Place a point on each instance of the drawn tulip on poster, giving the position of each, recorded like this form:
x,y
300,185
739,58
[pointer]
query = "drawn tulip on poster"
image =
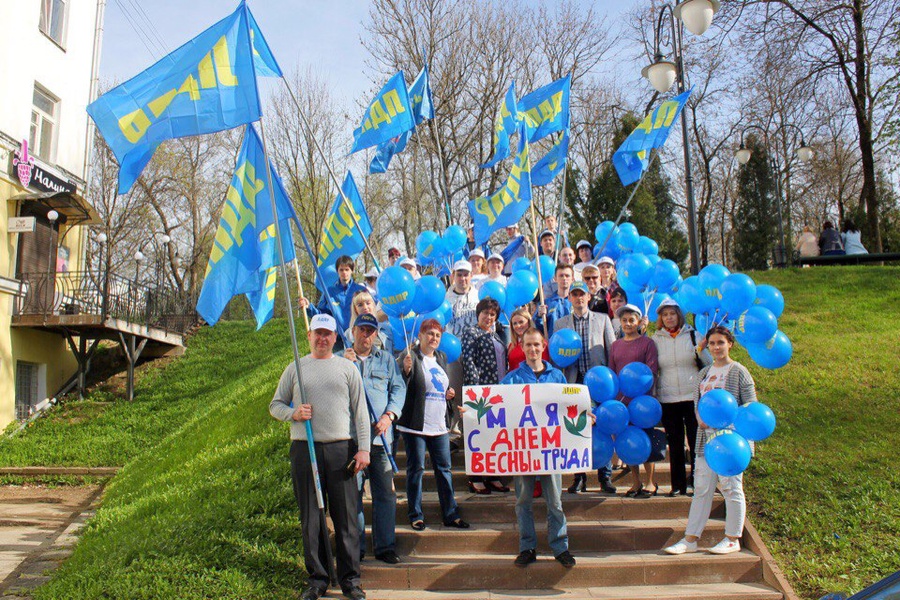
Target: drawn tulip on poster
x,y
483,404
575,421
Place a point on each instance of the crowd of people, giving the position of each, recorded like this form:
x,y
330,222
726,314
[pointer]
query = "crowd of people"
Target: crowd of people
x,y
414,393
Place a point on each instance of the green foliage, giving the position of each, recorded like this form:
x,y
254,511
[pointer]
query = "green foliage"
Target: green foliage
x,y
652,210
755,221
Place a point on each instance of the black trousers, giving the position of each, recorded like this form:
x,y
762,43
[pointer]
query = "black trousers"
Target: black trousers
x,y
341,498
678,418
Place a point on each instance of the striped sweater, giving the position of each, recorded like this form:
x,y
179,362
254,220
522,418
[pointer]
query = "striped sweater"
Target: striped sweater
x,y
739,383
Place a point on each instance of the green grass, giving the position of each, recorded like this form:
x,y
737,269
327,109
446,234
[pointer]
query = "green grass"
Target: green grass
x,y
203,505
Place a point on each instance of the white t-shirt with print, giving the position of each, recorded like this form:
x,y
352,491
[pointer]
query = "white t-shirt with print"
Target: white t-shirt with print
x,y
436,385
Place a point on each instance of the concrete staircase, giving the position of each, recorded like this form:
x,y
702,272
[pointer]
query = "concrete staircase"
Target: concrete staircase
x,y
617,542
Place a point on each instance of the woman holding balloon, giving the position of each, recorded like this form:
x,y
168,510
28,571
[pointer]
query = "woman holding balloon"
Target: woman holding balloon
x,y
729,376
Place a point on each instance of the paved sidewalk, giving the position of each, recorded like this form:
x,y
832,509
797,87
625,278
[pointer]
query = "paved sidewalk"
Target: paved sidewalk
x,y
38,528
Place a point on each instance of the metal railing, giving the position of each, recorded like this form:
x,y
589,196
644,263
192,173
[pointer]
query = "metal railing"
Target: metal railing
x,y
105,295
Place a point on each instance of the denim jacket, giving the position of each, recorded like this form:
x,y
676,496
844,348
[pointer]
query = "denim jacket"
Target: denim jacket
x,y
384,385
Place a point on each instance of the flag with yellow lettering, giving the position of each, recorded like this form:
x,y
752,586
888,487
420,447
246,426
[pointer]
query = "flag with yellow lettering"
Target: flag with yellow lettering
x,y
507,205
633,156
388,115
546,109
505,124
551,164
206,85
340,235
422,108
244,255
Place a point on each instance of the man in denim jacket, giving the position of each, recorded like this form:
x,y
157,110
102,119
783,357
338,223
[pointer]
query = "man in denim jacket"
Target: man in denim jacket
x,y
386,393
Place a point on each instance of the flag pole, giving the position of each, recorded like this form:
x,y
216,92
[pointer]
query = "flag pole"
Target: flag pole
x,y
537,262
627,202
334,178
313,462
559,218
300,291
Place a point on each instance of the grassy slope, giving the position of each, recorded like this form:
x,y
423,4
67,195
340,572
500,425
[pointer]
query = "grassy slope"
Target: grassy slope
x,y
205,508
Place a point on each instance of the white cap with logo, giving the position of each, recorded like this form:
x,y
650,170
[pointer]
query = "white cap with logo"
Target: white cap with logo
x,y
322,321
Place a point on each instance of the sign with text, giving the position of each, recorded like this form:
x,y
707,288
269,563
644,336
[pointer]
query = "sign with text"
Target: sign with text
x,y
20,225
531,429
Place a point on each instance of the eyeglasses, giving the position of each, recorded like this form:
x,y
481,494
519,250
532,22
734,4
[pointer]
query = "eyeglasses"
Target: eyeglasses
x,y
594,278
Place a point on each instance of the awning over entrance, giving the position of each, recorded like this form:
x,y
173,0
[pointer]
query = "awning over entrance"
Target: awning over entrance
x,y
72,205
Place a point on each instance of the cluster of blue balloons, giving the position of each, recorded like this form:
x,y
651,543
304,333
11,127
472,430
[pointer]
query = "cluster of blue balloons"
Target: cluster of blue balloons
x,y
439,250
619,428
727,451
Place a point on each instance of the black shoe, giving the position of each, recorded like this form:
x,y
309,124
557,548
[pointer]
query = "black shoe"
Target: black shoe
x,y
579,485
312,593
458,524
675,492
390,557
607,487
526,557
355,593
566,559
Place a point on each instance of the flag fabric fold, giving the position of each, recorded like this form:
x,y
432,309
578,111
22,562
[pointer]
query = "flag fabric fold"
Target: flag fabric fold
x,y
388,115
551,164
505,124
422,106
546,110
340,235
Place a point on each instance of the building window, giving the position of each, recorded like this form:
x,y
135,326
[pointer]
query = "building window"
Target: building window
x,y
53,20
43,124
27,384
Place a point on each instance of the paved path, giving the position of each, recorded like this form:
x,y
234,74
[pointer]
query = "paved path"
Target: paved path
x,y
38,527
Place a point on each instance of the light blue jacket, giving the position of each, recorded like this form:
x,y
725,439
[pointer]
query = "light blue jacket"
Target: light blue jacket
x,y
525,374
384,386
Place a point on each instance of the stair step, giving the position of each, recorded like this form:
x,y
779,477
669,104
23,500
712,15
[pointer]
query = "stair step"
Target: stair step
x,y
689,591
475,571
503,538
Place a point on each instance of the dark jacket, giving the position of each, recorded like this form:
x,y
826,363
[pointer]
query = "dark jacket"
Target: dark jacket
x,y
479,358
413,416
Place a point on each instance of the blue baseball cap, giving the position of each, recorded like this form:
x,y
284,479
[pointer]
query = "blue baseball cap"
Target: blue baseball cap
x,y
366,321
579,286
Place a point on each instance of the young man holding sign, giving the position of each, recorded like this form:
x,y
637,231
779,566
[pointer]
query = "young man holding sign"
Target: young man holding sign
x,y
536,370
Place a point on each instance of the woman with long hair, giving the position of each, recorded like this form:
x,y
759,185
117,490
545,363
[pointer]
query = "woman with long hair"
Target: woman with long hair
x,y
364,304
519,322
852,239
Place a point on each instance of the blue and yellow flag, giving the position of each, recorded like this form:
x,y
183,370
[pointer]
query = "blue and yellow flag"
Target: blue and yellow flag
x,y
206,85
633,156
546,110
340,235
551,164
388,115
244,253
422,108
505,124
507,205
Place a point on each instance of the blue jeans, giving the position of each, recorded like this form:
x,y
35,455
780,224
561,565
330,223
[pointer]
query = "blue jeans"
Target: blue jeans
x,y
438,447
384,503
557,533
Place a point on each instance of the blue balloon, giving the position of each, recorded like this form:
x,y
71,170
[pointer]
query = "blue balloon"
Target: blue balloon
x,y
646,245
653,309
635,379
436,314
636,269
602,383
565,347
717,408
755,421
547,267
603,447
702,323
440,248
495,290
425,245
654,260
773,353
711,278
691,297
396,290
404,330
612,417
727,454
644,412
612,251
603,230
450,346
738,293
633,445
447,309
521,263
430,292
665,274
769,297
454,238
756,326
627,237
521,287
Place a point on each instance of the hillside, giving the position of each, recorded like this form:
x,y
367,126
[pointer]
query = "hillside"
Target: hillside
x,y
203,506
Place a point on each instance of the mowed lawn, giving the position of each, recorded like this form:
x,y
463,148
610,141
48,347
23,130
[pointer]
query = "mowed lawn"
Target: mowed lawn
x,y
203,507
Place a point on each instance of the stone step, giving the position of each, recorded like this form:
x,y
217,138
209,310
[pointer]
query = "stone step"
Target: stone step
x,y
503,538
689,591
474,571
590,506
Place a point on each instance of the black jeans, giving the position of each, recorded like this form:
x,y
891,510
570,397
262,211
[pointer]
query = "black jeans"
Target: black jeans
x,y
677,418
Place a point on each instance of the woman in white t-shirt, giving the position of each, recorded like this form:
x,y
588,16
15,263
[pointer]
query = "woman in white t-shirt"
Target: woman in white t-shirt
x,y
424,424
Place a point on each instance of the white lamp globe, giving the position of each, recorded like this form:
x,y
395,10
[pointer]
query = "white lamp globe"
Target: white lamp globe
x,y
805,153
52,216
101,238
743,155
139,256
697,15
660,74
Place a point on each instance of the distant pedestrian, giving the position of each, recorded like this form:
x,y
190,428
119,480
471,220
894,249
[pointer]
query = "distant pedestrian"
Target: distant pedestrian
x,y
852,239
808,244
830,243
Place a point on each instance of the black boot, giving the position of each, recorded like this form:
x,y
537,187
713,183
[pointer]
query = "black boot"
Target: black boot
x,y
579,485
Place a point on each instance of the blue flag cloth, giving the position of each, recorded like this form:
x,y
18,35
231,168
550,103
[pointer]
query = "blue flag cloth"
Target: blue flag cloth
x,y
244,251
206,85
422,108
389,114
633,157
505,124
551,164
507,205
546,109
340,235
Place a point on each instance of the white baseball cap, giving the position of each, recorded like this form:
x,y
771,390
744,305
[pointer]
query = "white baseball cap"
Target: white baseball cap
x,y
462,265
496,256
476,252
605,260
629,308
371,274
322,321
408,262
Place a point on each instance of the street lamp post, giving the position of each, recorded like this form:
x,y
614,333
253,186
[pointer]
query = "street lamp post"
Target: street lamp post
x,y
160,258
804,153
52,216
697,16
104,274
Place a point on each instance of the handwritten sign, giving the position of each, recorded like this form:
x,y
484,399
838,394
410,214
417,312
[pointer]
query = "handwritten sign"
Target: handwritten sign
x,y
532,429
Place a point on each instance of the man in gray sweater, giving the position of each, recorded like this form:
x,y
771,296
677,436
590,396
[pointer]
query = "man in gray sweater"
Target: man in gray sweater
x,y
333,401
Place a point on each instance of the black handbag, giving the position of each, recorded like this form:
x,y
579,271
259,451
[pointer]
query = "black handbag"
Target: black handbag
x,y
658,447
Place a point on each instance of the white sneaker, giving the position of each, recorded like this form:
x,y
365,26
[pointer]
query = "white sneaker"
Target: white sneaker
x,y
682,547
726,546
